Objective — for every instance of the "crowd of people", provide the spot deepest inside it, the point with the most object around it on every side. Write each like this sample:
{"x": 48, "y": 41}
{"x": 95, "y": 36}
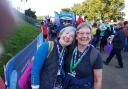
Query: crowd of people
{"x": 114, "y": 35}
{"x": 73, "y": 62}
{"x": 81, "y": 69}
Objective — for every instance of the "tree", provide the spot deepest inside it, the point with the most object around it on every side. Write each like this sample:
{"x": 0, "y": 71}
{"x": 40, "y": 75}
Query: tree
{"x": 93, "y": 8}
{"x": 100, "y": 8}
{"x": 30, "y": 13}
{"x": 113, "y": 9}
{"x": 77, "y": 9}
{"x": 66, "y": 9}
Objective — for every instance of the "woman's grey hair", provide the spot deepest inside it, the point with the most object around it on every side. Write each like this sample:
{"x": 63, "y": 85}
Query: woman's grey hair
{"x": 67, "y": 29}
{"x": 84, "y": 24}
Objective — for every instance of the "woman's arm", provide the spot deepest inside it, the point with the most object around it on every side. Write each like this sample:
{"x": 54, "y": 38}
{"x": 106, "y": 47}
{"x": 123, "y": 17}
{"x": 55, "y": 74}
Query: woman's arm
{"x": 97, "y": 70}
{"x": 97, "y": 78}
{"x": 39, "y": 60}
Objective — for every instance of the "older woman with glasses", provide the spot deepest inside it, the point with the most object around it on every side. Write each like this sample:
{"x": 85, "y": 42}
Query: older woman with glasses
{"x": 83, "y": 65}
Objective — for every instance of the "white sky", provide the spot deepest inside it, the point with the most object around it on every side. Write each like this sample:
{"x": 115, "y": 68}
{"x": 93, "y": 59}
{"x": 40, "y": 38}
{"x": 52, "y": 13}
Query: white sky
{"x": 126, "y": 9}
{"x": 47, "y": 7}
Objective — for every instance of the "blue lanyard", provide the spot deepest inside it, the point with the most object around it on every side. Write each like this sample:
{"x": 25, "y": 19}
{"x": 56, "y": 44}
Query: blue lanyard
{"x": 60, "y": 53}
{"x": 61, "y": 58}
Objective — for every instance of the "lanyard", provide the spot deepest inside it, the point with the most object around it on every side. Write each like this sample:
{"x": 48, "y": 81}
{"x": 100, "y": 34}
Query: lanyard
{"x": 74, "y": 61}
{"x": 61, "y": 56}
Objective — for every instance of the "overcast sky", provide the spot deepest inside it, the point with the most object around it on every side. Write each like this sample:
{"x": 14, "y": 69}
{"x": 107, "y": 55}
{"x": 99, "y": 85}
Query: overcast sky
{"x": 45, "y": 7}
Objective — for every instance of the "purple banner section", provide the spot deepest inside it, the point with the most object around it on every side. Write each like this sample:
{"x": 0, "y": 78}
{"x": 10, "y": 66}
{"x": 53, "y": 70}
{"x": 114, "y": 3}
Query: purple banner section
{"x": 17, "y": 65}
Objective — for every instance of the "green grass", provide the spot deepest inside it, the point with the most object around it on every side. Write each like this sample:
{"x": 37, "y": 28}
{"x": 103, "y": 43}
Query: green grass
{"x": 22, "y": 36}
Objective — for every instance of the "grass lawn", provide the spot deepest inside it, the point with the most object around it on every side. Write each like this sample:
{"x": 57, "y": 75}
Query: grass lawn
{"x": 22, "y": 36}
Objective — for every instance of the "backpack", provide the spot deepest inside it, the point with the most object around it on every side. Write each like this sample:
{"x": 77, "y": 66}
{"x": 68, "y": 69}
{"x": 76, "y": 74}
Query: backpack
{"x": 93, "y": 55}
{"x": 24, "y": 81}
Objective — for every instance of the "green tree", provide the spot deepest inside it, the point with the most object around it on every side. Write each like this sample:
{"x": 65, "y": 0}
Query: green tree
{"x": 113, "y": 9}
{"x": 93, "y": 8}
{"x": 66, "y": 9}
{"x": 77, "y": 9}
{"x": 100, "y": 9}
{"x": 30, "y": 13}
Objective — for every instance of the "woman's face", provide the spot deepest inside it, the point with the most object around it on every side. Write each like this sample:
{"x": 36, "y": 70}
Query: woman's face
{"x": 83, "y": 36}
{"x": 67, "y": 37}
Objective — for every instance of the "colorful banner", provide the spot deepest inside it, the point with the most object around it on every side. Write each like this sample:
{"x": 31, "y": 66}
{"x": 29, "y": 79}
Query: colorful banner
{"x": 66, "y": 16}
{"x": 57, "y": 18}
{"x": 17, "y": 65}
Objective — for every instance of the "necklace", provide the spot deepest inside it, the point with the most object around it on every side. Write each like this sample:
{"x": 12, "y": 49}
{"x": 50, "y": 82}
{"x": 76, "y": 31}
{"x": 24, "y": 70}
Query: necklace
{"x": 61, "y": 57}
{"x": 76, "y": 61}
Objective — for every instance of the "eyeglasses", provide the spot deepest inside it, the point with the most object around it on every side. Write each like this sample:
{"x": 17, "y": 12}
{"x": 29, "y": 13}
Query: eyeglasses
{"x": 84, "y": 33}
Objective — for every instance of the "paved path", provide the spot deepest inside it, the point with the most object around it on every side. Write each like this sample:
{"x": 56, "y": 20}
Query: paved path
{"x": 114, "y": 78}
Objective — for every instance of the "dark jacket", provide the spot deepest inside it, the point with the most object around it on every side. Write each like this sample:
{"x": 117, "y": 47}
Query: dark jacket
{"x": 49, "y": 70}
{"x": 119, "y": 38}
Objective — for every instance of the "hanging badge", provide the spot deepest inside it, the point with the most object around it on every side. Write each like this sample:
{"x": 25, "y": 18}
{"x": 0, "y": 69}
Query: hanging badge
{"x": 58, "y": 73}
{"x": 74, "y": 73}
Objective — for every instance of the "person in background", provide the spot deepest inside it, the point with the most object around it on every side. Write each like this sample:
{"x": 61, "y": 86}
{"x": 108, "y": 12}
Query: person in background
{"x": 98, "y": 34}
{"x": 83, "y": 64}
{"x": 46, "y": 70}
{"x": 94, "y": 31}
{"x": 118, "y": 44}
{"x": 126, "y": 34}
{"x": 79, "y": 20}
{"x": 104, "y": 28}
{"x": 44, "y": 31}
{"x": 61, "y": 26}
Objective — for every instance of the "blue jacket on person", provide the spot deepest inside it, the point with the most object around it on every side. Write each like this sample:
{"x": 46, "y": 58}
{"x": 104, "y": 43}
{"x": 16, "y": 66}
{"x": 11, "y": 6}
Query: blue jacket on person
{"x": 39, "y": 59}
